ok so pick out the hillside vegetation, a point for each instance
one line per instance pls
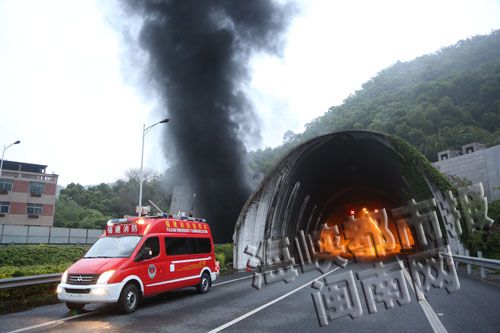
(81, 207)
(437, 101)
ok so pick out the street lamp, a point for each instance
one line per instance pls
(3, 153)
(145, 130)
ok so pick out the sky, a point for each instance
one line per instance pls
(73, 88)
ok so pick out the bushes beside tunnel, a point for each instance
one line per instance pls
(224, 254)
(486, 239)
(416, 166)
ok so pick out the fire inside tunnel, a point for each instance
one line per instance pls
(337, 184)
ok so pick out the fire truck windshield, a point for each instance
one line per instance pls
(113, 247)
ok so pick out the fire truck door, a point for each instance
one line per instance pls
(150, 266)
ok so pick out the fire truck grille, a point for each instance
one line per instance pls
(77, 291)
(82, 279)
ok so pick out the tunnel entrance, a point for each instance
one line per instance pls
(333, 179)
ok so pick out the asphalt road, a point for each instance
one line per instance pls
(233, 305)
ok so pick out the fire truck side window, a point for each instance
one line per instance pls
(153, 244)
(182, 245)
(176, 246)
(200, 245)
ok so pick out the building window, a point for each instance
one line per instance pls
(5, 185)
(34, 209)
(469, 150)
(37, 187)
(4, 207)
(444, 157)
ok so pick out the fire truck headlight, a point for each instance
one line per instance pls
(64, 277)
(104, 278)
(99, 291)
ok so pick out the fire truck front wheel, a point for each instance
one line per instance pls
(129, 298)
(205, 283)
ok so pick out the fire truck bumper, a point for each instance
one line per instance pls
(96, 293)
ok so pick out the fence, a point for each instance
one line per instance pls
(479, 261)
(23, 234)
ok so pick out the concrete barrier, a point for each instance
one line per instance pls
(38, 234)
(93, 235)
(77, 236)
(14, 234)
(21, 234)
(59, 235)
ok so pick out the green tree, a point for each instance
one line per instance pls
(91, 207)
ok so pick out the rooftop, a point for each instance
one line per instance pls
(22, 166)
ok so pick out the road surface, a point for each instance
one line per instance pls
(233, 305)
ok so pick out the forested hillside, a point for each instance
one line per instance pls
(435, 102)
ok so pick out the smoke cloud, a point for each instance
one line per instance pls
(198, 54)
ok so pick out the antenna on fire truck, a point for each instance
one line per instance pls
(191, 213)
(155, 206)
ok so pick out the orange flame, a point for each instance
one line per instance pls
(367, 236)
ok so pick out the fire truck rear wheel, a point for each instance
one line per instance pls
(75, 306)
(129, 299)
(205, 283)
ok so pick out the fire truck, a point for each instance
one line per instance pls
(140, 257)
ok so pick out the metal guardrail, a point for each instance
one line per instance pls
(29, 280)
(481, 262)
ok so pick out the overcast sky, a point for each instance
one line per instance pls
(72, 91)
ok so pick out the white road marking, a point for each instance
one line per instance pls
(229, 281)
(436, 324)
(245, 277)
(262, 307)
(53, 322)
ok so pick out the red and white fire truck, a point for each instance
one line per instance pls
(139, 257)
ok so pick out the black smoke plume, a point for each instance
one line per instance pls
(199, 52)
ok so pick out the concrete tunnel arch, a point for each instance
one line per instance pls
(320, 178)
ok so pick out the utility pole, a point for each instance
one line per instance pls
(145, 130)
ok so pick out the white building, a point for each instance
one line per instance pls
(475, 163)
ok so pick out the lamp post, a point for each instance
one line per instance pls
(145, 130)
(3, 153)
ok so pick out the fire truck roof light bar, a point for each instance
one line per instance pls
(127, 220)
(112, 221)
